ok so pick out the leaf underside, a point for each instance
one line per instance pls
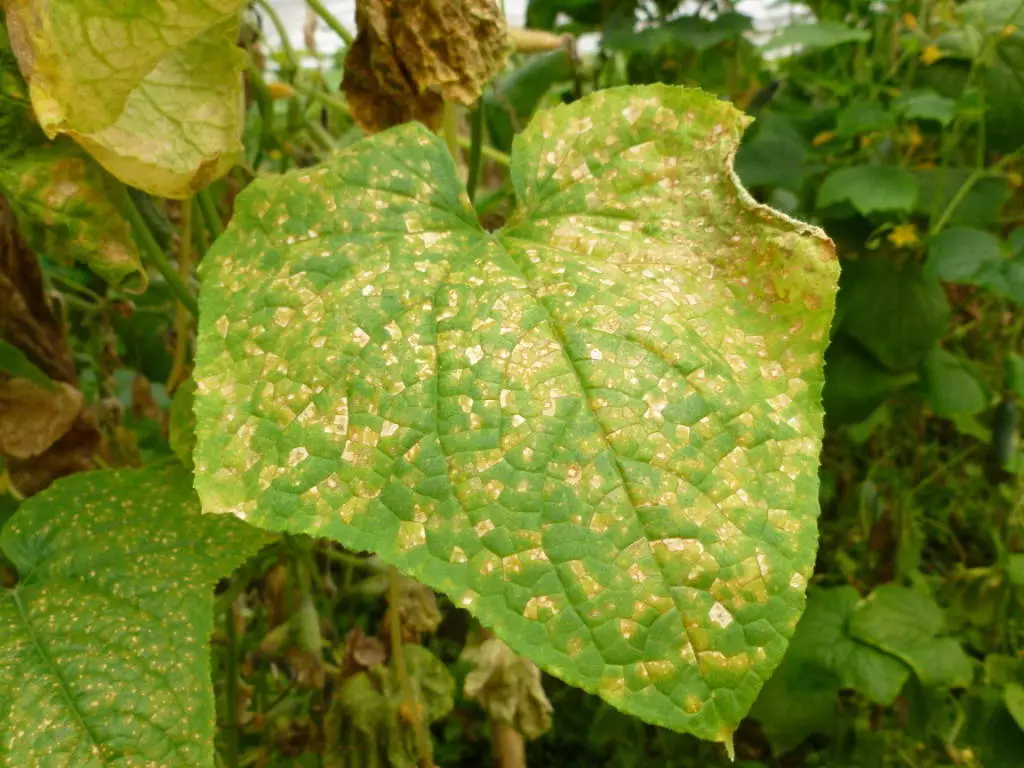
(104, 643)
(597, 429)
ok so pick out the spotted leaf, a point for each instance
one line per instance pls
(597, 428)
(104, 655)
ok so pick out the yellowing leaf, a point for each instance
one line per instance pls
(410, 56)
(153, 91)
(67, 206)
(597, 428)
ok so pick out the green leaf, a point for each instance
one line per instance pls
(1013, 697)
(979, 207)
(597, 428)
(926, 105)
(863, 117)
(869, 189)
(952, 387)
(515, 96)
(906, 623)
(181, 428)
(855, 384)
(895, 312)
(104, 655)
(817, 36)
(1015, 569)
(824, 639)
(774, 156)
(14, 362)
(1014, 373)
(165, 113)
(67, 206)
(798, 700)
(963, 255)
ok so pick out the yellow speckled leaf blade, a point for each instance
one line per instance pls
(153, 90)
(597, 429)
(104, 654)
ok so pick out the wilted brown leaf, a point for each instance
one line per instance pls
(410, 56)
(72, 453)
(362, 651)
(508, 687)
(418, 613)
(26, 320)
(32, 418)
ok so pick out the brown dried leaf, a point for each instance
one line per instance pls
(508, 687)
(32, 418)
(410, 56)
(71, 453)
(362, 651)
(26, 320)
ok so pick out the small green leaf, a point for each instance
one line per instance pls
(1015, 569)
(978, 207)
(104, 655)
(869, 189)
(863, 117)
(165, 113)
(894, 312)
(855, 383)
(181, 429)
(1013, 697)
(597, 428)
(824, 639)
(927, 105)
(514, 97)
(818, 36)
(963, 255)
(953, 389)
(774, 156)
(906, 624)
(14, 362)
(1014, 374)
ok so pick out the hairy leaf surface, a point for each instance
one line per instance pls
(152, 90)
(104, 656)
(597, 428)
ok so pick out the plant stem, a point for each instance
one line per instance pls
(398, 660)
(320, 135)
(507, 746)
(330, 20)
(181, 316)
(231, 689)
(475, 149)
(286, 44)
(211, 216)
(327, 99)
(158, 257)
(496, 155)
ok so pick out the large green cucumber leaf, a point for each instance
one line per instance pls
(67, 206)
(597, 429)
(152, 90)
(104, 656)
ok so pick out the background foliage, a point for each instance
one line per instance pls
(895, 125)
